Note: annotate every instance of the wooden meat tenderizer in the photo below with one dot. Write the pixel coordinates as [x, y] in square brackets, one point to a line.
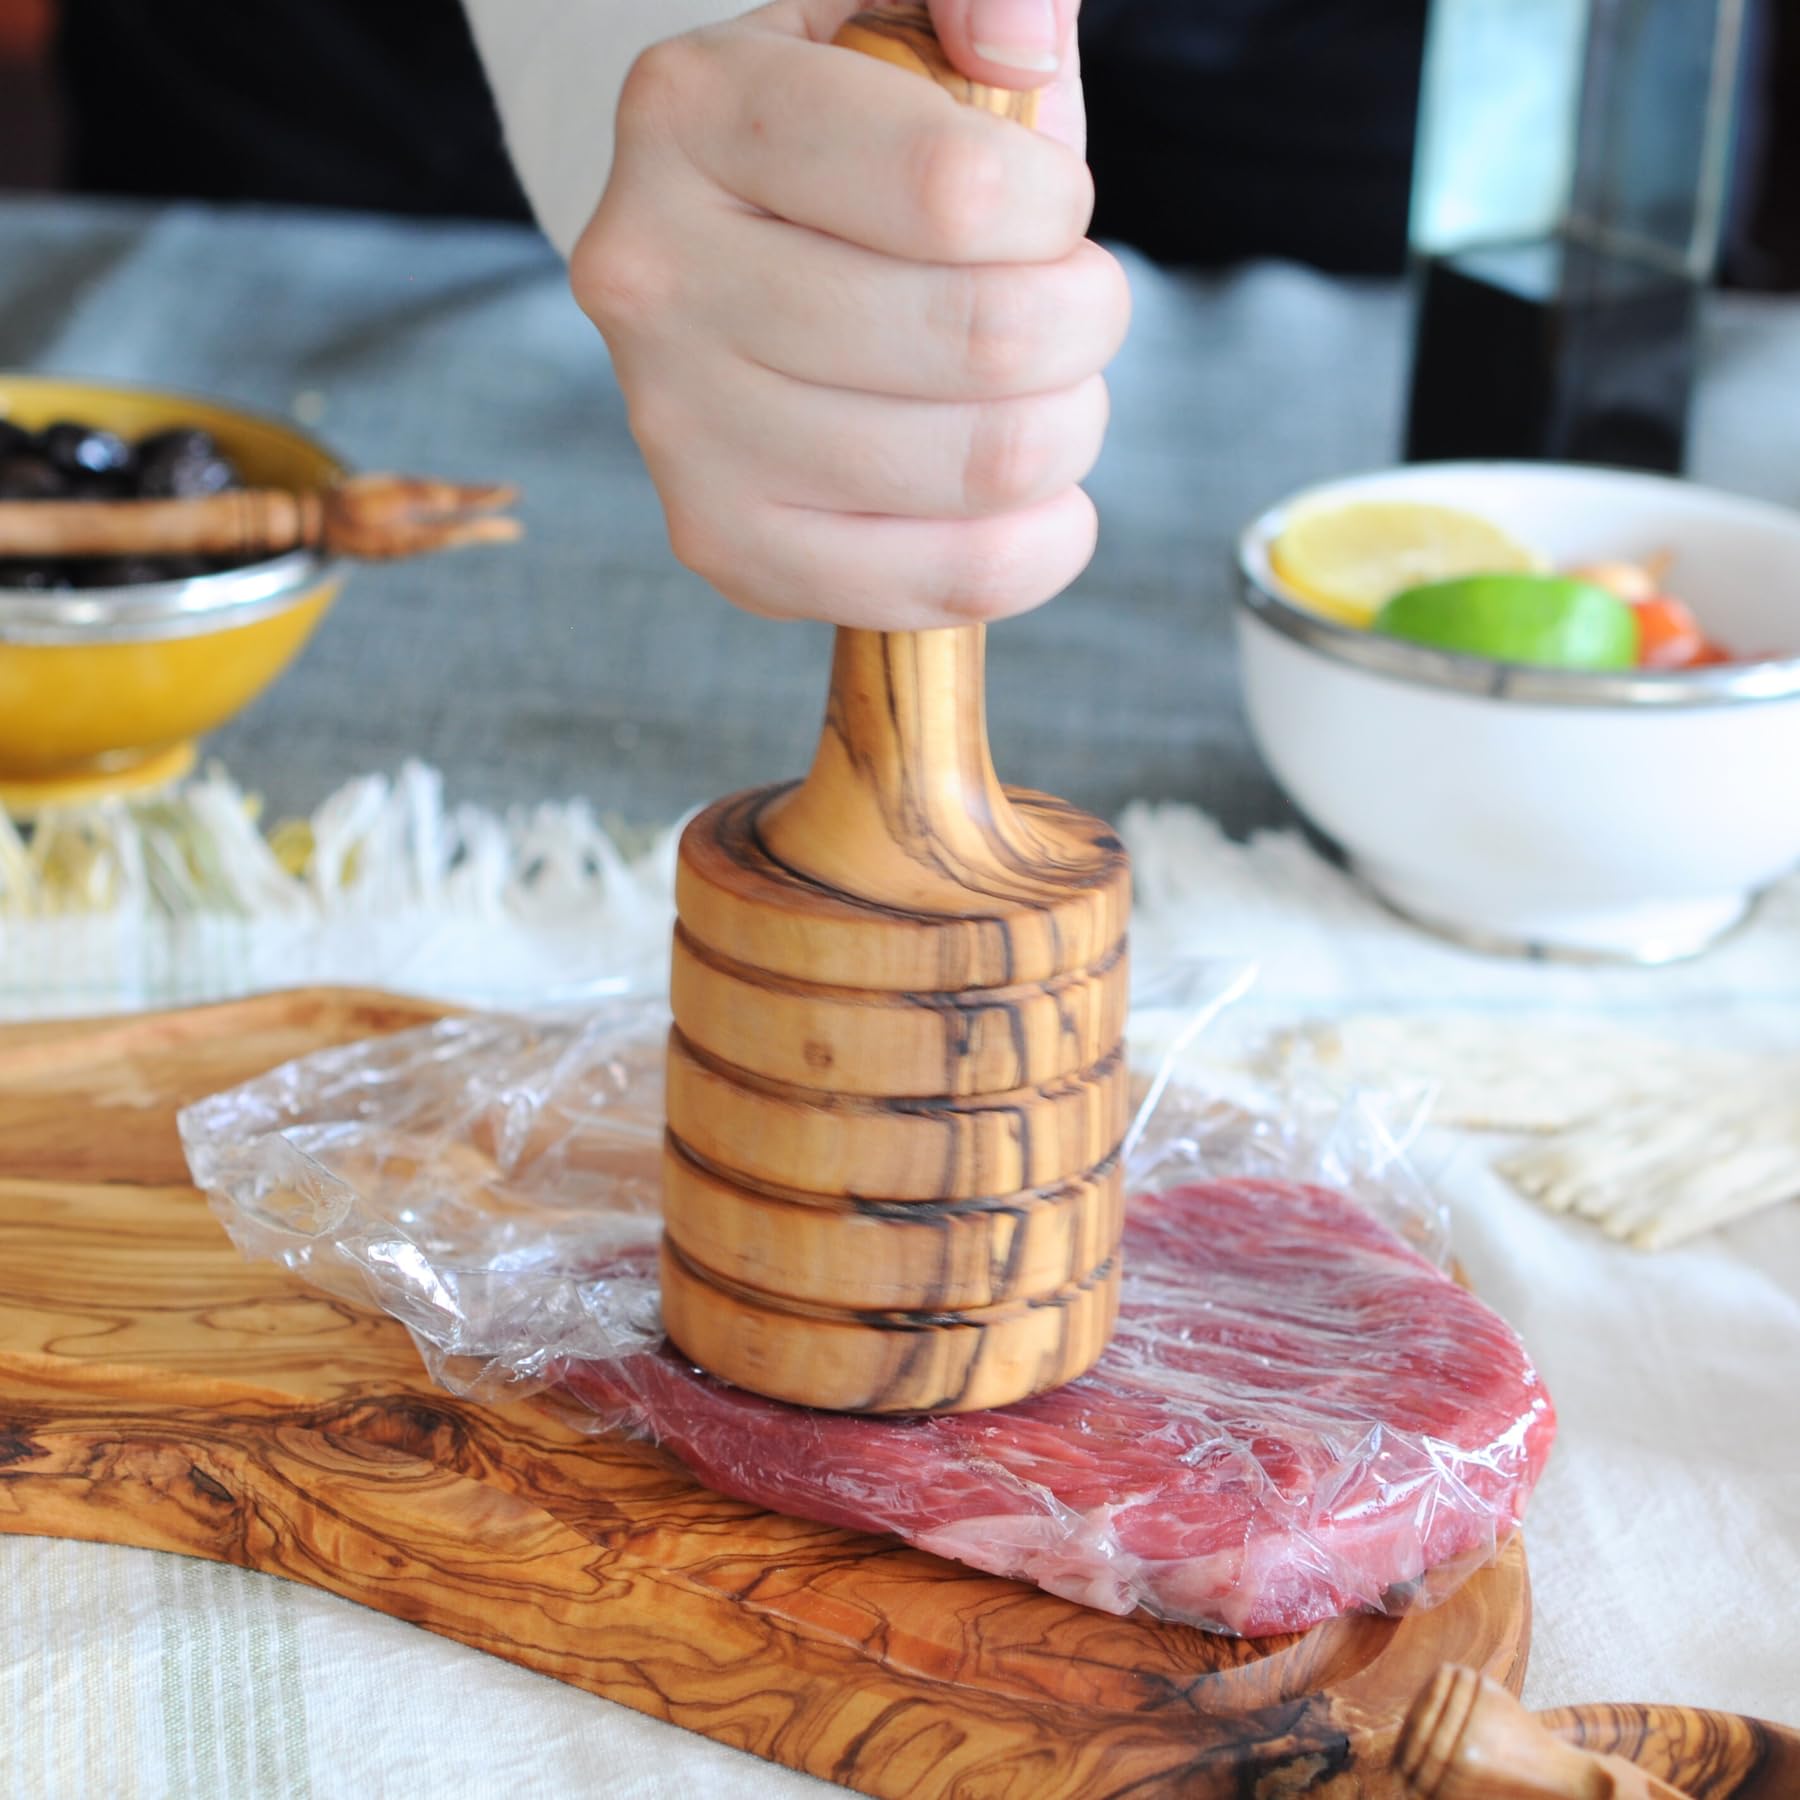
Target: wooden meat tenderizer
[896, 1079]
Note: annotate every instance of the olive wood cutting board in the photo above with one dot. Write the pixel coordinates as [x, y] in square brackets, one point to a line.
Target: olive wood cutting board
[157, 1390]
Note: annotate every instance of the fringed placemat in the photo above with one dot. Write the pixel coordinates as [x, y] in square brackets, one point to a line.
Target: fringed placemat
[1658, 1102]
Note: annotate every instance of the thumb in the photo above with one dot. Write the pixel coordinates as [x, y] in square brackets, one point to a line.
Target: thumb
[1020, 44]
[1006, 43]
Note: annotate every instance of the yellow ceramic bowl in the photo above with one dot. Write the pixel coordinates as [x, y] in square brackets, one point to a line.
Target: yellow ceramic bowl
[103, 690]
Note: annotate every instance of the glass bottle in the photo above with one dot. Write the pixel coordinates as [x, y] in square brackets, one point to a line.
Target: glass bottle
[1568, 195]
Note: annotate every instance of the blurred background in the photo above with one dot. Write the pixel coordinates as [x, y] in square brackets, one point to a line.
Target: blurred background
[385, 109]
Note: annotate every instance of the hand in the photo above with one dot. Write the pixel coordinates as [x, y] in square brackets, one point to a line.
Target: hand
[858, 326]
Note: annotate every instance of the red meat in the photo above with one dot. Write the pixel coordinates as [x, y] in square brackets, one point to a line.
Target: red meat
[1298, 1417]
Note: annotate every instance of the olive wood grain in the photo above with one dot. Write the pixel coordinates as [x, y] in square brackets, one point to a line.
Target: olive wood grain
[864, 1041]
[1467, 1739]
[374, 517]
[734, 898]
[157, 1390]
[1711, 1755]
[887, 1362]
[872, 1254]
[902, 807]
[979, 1147]
[891, 983]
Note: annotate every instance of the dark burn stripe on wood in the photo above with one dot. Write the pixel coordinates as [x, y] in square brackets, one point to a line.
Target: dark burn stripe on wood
[923, 1106]
[898, 1210]
[887, 1319]
[968, 999]
[212, 1489]
[993, 908]
[16, 1446]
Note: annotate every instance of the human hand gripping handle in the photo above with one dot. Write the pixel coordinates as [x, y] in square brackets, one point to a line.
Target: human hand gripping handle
[859, 330]
[902, 804]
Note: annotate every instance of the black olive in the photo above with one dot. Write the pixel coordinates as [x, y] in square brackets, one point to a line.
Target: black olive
[28, 477]
[179, 465]
[120, 571]
[35, 577]
[101, 487]
[73, 461]
[83, 450]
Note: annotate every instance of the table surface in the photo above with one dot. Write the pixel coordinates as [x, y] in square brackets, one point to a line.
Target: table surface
[587, 663]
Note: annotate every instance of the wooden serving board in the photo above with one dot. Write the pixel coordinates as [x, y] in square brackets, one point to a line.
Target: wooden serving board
[157, 1390]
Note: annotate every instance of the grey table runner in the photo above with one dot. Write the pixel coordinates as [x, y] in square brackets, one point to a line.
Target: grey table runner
[587, 662]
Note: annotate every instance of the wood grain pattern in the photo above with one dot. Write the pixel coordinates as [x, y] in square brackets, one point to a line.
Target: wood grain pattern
[902, 807]
[870, 1042]
[892, 983]
[879, 1254]
[157, 1390]
[1466, 1738]
[909, 1361]
[1711, 1755]
[377, 517]
[735, 898]
[974, 1147]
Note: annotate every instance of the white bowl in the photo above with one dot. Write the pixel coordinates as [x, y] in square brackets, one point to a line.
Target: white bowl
[1629, 815]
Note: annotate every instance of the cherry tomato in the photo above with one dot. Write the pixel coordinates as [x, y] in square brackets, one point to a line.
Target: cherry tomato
[1669, 637]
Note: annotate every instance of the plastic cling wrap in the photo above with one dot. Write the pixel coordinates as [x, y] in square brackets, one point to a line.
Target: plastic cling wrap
[1300, 1415]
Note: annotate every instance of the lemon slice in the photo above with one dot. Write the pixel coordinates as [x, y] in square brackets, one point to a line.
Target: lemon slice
[1347, 562]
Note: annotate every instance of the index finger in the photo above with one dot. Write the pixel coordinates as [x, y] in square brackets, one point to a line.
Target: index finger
[839, 142]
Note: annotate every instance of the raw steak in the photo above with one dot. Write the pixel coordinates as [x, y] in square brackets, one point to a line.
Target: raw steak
[1299, 1417]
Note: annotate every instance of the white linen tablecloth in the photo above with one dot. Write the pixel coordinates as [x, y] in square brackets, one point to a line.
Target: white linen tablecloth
[1664, 1540]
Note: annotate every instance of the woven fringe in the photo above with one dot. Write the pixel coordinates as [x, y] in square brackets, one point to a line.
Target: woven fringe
[166, 902]
[147, 902]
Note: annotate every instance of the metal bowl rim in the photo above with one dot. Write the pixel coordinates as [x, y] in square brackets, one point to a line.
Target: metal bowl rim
[192, 607]
[1722, 684]
[164, 609]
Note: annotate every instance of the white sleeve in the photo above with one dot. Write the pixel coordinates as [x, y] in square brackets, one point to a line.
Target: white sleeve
[556, 68]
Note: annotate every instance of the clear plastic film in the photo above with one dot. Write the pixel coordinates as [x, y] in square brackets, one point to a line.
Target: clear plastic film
[1300, 1415]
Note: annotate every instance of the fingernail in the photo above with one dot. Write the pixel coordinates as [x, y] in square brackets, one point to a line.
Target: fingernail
[1016, 34]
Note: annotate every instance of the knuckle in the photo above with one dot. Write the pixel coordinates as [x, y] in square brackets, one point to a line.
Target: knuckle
[694, 540]
[1008, 457]
[957, 184]
[1095, 402]
[997, 342]
[653, 417]
[656, 86]
[1081, 202]
[989, 579]
[1111, 288]
[1008, 565]
[620, 279]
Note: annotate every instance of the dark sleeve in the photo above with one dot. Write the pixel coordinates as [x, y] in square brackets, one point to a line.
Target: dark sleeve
[376, 104]
[1220, 129]
[1226, 129]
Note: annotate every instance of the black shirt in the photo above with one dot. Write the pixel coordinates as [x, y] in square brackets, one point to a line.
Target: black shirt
[1218, 129]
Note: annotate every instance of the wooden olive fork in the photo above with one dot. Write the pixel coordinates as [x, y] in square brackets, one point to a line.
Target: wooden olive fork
[1466, 1738]
[371, 517]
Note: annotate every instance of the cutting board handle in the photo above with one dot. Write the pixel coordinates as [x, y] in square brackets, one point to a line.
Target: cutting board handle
[1467, 1738]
